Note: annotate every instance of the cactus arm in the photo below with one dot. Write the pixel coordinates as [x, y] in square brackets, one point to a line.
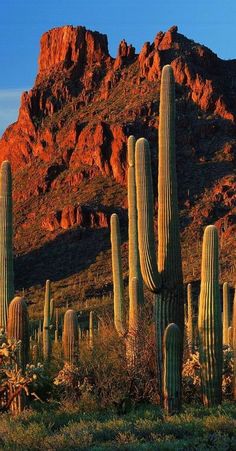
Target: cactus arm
[134, 261]
[145, 206]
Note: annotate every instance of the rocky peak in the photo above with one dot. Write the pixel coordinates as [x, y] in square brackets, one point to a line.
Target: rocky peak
[67, 46]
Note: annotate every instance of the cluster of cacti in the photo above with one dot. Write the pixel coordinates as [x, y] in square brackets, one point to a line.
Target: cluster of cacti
[6, 253]
[70, 337]
[162, 275]
[209, 320]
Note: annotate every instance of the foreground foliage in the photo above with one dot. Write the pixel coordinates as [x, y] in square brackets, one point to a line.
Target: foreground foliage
[66, 428]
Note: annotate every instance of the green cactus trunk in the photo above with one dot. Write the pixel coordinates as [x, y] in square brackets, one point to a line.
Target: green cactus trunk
[209, 321]
[6, 252]
[170, 299]
[172, 356]
[18, 328]
[46, 323]
[190, 325]
[134, 261]
[70, 340]
[225, 314]
[132, 342]
[166, 281]
[118, 286]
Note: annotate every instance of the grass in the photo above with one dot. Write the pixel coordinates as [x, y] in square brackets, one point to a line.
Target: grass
[58, 427]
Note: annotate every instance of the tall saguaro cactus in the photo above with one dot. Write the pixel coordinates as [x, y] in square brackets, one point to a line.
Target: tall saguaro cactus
[70, 337]
[119, 318]
[6, 253]
[46, 322]
[225, 314]
[172, 348]
[165, 278]
[209, 320]
[18, 327]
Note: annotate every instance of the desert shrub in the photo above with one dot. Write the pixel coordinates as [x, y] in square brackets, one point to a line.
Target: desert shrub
[192, 380]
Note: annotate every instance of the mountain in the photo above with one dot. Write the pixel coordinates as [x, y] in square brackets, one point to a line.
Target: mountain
[68, 153]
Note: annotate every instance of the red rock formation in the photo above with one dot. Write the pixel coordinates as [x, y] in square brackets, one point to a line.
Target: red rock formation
[68, 146]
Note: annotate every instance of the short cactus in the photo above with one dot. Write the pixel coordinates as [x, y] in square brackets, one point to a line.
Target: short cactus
[172, 350]
[6, 252]
[209, 320]
[18, 328]
[70, 337]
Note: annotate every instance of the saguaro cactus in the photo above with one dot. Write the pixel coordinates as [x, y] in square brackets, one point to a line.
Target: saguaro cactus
[18, 328]
[225, 314]
[46, 323]
[134, 261]
[132, 343]
[190, 325]
[70, 337]
[6, 253]
[119, 318]
[209, 320]
[166, 280]
[172, 350]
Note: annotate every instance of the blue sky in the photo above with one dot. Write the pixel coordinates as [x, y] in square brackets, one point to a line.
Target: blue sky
[22, 22]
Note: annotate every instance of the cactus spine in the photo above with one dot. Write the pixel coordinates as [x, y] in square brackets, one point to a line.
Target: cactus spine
[18, 328]
[209, 320]
[6, 253]
[46, 323]
[119, 318]
[172, 350]
[190, 327]
[167, 280]
[70, 337]
[134, 261]
[225, 314]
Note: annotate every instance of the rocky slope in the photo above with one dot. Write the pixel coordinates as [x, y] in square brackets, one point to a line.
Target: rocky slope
[68, 152]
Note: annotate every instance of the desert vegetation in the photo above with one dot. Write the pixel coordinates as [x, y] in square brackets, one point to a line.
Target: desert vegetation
[127, 375]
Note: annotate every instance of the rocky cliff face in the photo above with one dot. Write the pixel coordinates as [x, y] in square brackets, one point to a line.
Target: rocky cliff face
[68, 146]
